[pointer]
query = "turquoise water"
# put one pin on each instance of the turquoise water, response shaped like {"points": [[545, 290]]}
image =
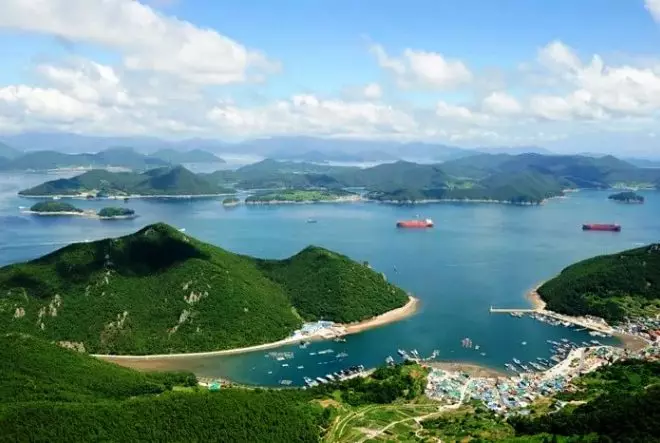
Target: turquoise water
{"points": [[478, 255]]}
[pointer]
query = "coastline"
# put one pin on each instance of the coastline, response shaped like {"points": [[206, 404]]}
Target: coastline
{"points": [[458, 200], [628, 341], [343, 329], [305, 202], [121, 197], [86, 214]]}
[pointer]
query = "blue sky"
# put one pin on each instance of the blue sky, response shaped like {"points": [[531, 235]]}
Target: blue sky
{"points": [[573, 75]]}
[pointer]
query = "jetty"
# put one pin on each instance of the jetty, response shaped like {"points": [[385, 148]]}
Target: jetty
{"points": [[513, 310], [584, 322]]}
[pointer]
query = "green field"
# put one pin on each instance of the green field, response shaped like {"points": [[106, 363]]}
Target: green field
{"points": [[298, 196]]}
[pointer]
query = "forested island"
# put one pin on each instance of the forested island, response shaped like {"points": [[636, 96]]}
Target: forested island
{"points": [[627, 197], [205, 298], [82, 398], [55, 208], [164, 182], [116, 213], [302, 196], [613, 287]]}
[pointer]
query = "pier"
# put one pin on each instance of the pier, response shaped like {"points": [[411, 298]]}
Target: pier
{"points": [[512, 310], [583, 322]]}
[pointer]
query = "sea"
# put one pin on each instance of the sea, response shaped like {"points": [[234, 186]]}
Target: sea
{"points": [[476, 256]]}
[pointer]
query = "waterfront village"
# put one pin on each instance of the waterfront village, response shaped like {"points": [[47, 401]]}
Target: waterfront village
{"points": [[510, 392]]}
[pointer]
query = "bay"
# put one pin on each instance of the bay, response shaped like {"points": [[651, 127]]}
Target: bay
{"points": [[477, 255]]}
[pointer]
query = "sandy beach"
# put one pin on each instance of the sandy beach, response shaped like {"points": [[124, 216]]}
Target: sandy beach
{"points": [[631, 342], [151, 361], [472, 369], [534, 297], [389, 317]]}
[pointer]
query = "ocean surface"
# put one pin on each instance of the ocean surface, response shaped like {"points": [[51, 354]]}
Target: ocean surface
{"points": [[477, 256]]}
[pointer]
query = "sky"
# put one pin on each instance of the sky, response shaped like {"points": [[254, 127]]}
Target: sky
{"points": [[570, 75]]}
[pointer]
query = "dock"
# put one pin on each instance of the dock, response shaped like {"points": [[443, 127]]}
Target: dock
{"points": [[513, 310], [576, 321]]}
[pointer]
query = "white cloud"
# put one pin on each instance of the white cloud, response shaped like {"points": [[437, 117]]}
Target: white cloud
{"points": [[311, 115], [43, 104], [418, 68], [501, 103], [598, 90], [447, 110], [576, 106], [372, 91], [556, 55], [147, 39], [653, 6]]}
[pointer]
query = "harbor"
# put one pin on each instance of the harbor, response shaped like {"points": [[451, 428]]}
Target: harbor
{"points": [[515, 393]]}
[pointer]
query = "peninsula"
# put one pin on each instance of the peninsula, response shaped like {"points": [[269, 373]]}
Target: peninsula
{"points": [[159, 291], [613, 287], [161, 182]]}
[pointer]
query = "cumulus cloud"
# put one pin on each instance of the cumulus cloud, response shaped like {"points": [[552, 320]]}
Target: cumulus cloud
{"points": [[599, 90], [145, 38], [418, 68], [372, 91], [311, 115], [164, 82], [501, 103]]}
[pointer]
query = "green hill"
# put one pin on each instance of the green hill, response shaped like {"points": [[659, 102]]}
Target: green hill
{"points": [[193, 156], [52, 394], [608, 286], [322, 284], [161, 181], [161, 291]]}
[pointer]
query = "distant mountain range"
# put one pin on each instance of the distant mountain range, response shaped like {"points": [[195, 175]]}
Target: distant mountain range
{"points": [[297, 148], [128, 158], [522, 179]]}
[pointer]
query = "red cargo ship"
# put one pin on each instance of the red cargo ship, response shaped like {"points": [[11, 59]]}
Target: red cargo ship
{"points": [[428, 223], [601, 227]]}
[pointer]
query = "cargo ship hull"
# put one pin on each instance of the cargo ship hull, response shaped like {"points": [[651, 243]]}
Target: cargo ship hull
{"points": [[601, 227], [428, 223]]}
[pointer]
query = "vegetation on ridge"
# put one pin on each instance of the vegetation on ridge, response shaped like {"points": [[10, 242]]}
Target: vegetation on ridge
{"points": [[625, 284], [48, 393], [161, 291], [162, 181], [52, 394], [325, 285]]}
